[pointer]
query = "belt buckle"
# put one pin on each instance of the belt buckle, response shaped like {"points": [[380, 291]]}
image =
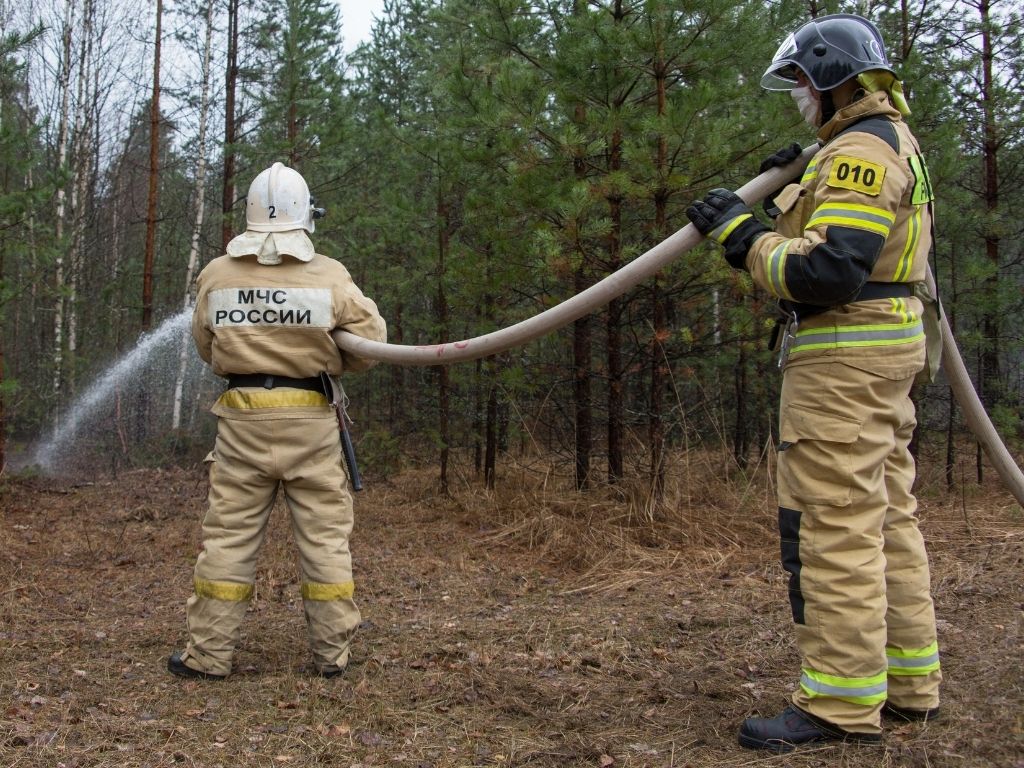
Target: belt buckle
{"points": [[788, 337]]}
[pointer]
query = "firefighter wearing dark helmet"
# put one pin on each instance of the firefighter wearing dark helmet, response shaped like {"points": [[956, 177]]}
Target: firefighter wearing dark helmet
{"points": [[846, 260]]}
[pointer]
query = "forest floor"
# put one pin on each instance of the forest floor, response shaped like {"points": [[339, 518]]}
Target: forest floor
{"points": [[530, 626]]}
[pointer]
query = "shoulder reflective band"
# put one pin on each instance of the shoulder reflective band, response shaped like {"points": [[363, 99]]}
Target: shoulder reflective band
{"points": [[271, 398], [914, 661], [886, 334], [328, 592], [811, 171], [721, 233], [859, 690], [228, 591], [867, 217], [922, 193]]}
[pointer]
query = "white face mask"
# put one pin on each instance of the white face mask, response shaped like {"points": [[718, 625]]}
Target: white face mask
{"points": [[808, 104]]}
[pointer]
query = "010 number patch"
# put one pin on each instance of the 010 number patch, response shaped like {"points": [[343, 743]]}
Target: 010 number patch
{"points": [[856, 174]]}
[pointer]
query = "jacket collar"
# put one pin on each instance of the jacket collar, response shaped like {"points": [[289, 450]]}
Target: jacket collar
{"points": [[873, 105]]}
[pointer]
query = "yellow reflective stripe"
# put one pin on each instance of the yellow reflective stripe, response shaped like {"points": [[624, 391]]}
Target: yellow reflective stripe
{"points": [[899, 307], [776, 271], [911, 317], [723, 232], [328, 592], [855, 215], [922, 193], [913, 661], [867, 328], [880, 335], [913, 238], [859, 690], [810, 172], [852, 344], [228, 591], [271, 398]]}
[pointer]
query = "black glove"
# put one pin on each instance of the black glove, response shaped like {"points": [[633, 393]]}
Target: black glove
{"points": [[726, 219], [784, 156]]}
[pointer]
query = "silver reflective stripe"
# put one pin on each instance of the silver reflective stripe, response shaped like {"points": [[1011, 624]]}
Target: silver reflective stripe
{"points": [[858, 336], [847, 692], [913, 662], [847, 214]]}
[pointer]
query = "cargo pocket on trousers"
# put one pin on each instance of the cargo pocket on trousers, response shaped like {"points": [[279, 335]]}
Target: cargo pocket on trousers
{"points": [[815, 466]]}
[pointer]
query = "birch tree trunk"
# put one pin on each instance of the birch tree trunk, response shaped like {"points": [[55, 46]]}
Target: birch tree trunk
{"points": [[197, 227], [63, 131], [82, 159]]}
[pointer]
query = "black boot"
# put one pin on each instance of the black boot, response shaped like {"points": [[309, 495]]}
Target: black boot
{"points": [[177, 666], [330, 671], [794, 727], [909, 714]]}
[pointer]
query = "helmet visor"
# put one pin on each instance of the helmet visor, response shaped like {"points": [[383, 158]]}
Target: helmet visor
{"points": [[780, 76], [781, 73]]}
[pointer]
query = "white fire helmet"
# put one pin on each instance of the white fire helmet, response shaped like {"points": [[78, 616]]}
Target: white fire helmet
{"points": [[279, 201]]}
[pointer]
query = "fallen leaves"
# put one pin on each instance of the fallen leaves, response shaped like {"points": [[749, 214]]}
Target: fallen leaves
{"points": [[506, 672]]}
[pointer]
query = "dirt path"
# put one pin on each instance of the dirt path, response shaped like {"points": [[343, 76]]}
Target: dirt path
{"points": [[491, 637]]}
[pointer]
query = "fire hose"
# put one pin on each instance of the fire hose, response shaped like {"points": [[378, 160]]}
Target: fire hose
{"points": [[645, 266]]}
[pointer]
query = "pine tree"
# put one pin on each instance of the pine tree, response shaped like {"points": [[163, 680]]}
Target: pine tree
{"points": [[298, 85], [966, 101], [19, 154]]}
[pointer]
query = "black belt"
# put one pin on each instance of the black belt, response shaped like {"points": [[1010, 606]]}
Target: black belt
{"points": [[867, 292], [884, 291], [265, 380]]}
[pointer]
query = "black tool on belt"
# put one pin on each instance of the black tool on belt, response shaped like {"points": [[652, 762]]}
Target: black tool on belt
{"points": [[324, 386], [338, 402]]}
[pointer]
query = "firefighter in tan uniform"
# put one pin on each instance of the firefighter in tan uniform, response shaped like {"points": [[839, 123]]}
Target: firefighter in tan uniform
{"points": [[845, 260], [263, 317]]}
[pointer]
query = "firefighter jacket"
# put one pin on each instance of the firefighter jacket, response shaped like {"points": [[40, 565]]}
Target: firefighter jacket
{"points": [[253, 318], [852, 242]]}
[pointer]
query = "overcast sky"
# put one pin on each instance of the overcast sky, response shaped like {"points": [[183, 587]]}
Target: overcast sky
{"points": [[356, 20]]}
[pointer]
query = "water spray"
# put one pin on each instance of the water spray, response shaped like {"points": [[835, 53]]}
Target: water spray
{"points": [[85, 406]]}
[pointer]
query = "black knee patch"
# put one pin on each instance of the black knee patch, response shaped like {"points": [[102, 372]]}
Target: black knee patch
{"points": [[789, 535]]}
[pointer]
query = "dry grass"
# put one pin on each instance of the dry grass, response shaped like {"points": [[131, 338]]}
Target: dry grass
{"points": [[531, 626]]}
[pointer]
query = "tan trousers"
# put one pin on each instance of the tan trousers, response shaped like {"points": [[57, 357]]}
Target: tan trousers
{"points": [[859, 579], [250, 460]]}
